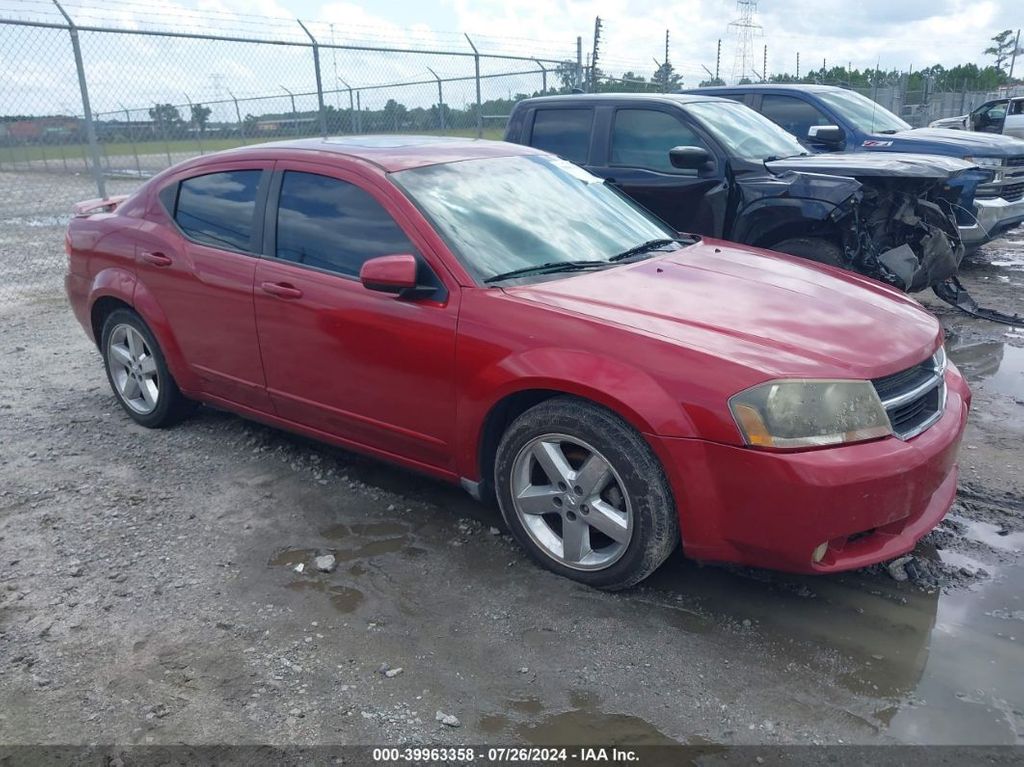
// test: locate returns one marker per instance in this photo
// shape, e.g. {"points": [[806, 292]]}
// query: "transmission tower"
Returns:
{"points": [[744, 30]]}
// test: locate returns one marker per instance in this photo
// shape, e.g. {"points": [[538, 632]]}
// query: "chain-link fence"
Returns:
{"points": [[89, 110]]}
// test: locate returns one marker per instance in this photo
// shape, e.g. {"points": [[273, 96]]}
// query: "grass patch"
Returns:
{"points": [[76, 152]]}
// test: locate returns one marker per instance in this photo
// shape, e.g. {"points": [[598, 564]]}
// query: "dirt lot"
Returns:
{"points": [[149, 592]]}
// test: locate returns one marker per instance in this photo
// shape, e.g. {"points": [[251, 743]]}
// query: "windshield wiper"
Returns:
{"points": [[644, 247], [551, 267]]}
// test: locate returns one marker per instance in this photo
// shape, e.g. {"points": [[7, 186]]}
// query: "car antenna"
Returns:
{"points": [[874, 101]]}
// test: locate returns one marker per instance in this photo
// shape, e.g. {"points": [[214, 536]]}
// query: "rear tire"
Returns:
{"points": [[138, 374], [584, 494], [813, 249]]}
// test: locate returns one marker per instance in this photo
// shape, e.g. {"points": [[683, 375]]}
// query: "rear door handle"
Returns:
{"points": [[156, 259], [281, 290]]}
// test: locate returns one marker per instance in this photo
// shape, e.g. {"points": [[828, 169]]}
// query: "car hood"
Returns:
{"points": [[862, 164], [773, 313], [965, 143]]}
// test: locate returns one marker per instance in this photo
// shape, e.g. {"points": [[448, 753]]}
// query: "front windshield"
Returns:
{"points": [[864, 114], [743, 131], [507, 213]]}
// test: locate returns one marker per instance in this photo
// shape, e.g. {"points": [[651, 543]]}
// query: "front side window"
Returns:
{"points": [[792, 114], [565, 132], [217, 209], [506, 213], [332, 224], [642, 138]]}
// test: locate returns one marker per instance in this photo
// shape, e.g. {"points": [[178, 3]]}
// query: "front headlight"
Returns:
{"points": [[795, 414], [986, 162]]}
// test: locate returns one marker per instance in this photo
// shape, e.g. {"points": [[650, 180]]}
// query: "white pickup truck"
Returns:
{"points": [[1004, 116]]}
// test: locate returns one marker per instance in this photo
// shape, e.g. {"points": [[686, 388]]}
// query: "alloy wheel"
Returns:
{"points": [[572, 502], [133, 369]]}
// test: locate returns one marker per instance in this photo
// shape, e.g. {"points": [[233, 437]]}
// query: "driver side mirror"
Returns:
{"points": [[829, 135], [689, 158], [390, 274]]}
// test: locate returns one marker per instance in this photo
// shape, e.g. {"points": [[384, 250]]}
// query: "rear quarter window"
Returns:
{"points": [[217, 209], [565, 132]]}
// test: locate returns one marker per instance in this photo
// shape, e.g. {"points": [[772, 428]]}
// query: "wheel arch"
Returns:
{"points": [[649, 410]]}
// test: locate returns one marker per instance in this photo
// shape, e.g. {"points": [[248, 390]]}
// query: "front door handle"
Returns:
{"points": [[281, 290], [156, 259]]}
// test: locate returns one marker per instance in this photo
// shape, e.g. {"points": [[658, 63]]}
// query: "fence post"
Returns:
{"points": [[90, 129], [295, 115], [440, 100], [479, 104], [131, 138], [351, 108], [238, 115], [319, 82], [544, 77], [192, 122], [359, 112]]}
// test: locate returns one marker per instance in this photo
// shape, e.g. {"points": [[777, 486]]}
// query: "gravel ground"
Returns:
{"points": [[162, 587]]}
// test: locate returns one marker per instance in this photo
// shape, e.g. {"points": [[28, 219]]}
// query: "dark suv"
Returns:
{"points": [[711, 166]]}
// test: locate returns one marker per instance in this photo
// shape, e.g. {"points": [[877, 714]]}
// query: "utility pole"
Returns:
{"points": [[764, 66], [579, 62], [798, 65], [1013, 57], [718, 62], [594, 54]]}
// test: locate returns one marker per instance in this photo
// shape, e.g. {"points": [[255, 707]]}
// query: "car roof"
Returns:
{"points": [[586, 98], [390, 152], [811, 87]]}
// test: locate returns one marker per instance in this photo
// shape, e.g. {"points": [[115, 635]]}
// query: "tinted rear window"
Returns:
{"points": [[218, 209], [565, 132]]}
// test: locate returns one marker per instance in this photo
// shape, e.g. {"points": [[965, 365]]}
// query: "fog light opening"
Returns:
{"points": [[819, 553]]}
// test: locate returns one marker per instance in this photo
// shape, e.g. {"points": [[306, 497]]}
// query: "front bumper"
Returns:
{"points": [[995, 216], [871, 502]]}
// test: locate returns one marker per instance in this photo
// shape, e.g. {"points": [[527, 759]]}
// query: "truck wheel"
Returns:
{"points": [[138, 374], [813, 249], [584, 494]]}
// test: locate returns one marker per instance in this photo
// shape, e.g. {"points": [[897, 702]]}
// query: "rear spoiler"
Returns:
{"points": [[87, 208]]}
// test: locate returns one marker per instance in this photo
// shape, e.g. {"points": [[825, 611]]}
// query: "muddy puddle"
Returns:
{"points": [[996, 366], [351, 545], [585, 723]]}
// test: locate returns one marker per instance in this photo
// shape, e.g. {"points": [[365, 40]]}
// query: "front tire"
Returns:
{"points": [[584, 494], [138, 374]]}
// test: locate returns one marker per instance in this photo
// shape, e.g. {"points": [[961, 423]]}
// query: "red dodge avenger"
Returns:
{"points": [[491, 315]]}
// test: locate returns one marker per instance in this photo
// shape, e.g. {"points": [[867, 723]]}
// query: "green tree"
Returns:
{"points": [[666, 79], [567, 73], [200, 116], [1005, 47], [165, 114]]}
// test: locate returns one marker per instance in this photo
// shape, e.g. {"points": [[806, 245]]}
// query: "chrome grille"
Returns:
{"points": [[1015, 162], [914, 398], [1012, 192]]}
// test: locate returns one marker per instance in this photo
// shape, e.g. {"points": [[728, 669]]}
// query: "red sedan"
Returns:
{"points": [[491, 315]]}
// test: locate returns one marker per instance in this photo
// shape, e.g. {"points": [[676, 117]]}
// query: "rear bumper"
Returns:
{"points": [[995, 217], [870, 502]]}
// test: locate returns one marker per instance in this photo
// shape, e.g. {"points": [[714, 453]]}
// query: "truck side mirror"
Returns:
{"points": [[689, 157], [829, 135]]}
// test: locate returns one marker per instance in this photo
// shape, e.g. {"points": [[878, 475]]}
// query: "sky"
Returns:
{"points": [[898, 34]]}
